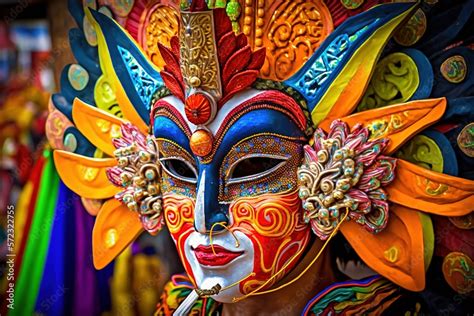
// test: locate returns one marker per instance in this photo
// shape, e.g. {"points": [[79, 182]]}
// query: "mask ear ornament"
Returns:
{"points": [[345, 170], [139, 173]]}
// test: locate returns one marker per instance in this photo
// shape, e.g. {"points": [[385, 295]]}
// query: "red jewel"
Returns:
{"points": [[198, 109]]}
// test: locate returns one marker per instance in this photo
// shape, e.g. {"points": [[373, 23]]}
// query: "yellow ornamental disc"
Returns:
{"points": [[423, 151], [89, 32], [70, 142], [122, 7], [392, 254], [465, 140], [78, 77], [104, 96], [454, 69], [462, 222], [90, 3], [106, 11], [395, 80]]}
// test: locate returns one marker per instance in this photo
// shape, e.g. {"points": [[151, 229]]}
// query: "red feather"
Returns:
{"points": [[174, 43], [241, 40], [173, 84], [241, 81], [172, 64], [236, 63], [226, 46], [198, 5], [222, 23], [170, 59], [238, 83], [257, 59]]}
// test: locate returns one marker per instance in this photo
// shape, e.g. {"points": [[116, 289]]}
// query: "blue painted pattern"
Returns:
{"points": [[326, 64], [145, 84]]}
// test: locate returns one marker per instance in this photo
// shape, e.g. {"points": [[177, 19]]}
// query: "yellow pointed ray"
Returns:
{"points": [[106, 65], [397, 252], [399, 122], [430, 191], [115, 228], [346, 90], [85, 176], [98, 126]]}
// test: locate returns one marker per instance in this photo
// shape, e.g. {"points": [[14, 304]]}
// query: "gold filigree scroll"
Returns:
{"points": [[291, 30], [199, 63], [161, 24]]}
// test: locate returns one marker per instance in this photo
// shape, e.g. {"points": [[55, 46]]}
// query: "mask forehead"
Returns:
{"points": [[173, 110]]}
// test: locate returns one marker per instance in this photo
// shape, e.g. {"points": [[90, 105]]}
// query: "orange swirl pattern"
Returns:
{"points": [[284, 253], [273, 222], [179, 217], [270, 215], [178, 211], [275, 226]]}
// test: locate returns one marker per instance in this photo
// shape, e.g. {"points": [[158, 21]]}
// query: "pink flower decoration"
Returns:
{"points": [[344, 170], [138, 173]]}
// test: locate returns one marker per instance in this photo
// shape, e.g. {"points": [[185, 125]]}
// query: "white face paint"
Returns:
{"points": [[224, 275]]}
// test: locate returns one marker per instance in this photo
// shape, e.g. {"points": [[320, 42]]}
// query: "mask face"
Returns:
{"points": [[245, 191]]}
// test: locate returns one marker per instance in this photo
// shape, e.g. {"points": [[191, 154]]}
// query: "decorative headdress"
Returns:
{"points": [[348, 168], [206, 66]]}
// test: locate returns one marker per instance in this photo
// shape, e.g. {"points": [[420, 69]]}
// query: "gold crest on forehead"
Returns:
{"points": [[198, 50]]}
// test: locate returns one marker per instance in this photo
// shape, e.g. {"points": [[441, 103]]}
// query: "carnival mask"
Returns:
{"points": [[235, 214]]}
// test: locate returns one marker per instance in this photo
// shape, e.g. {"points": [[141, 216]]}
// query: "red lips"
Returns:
{"points": [[223, 256]]}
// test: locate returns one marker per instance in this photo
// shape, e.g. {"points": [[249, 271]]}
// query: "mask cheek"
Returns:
{"points": [[274, 224], [179, 217]]}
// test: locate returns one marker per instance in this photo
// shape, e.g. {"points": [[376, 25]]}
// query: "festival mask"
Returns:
{"points": [[229, 159], [222, 157], [234, 213]]}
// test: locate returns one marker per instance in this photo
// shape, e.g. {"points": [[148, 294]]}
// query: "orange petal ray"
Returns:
{"points": [[399, 122], [397, 251], [85, 176], [115, 228], [98, 126], [430, 191]]}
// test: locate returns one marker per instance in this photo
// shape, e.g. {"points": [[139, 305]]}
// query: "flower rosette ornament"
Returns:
{"points": [[138, 173], [343, 172]]}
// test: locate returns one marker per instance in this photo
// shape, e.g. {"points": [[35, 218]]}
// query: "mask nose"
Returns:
{"points": [[208, 210]]}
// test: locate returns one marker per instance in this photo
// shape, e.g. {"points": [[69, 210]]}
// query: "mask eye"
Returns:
{"points": [[180, 169], [253, 168]]}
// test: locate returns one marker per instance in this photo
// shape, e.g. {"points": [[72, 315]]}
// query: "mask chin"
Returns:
{"points": [[228, 267]]}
